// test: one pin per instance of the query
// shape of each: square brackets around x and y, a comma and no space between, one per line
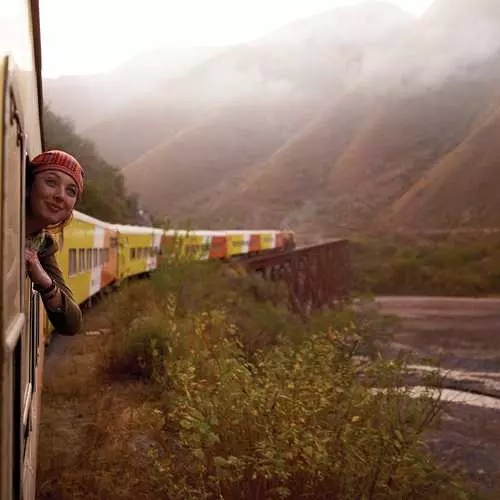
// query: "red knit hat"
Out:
[59,160]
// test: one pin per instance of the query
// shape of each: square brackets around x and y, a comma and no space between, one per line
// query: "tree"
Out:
[105,196]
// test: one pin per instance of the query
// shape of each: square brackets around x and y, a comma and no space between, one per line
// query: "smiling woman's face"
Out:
[52,197]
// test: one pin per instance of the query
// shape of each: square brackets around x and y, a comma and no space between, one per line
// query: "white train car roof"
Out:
[237,232]
[220,232]
[130,229]
[194,232]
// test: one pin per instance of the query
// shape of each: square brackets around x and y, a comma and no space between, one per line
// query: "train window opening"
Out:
[72,263]
[89,259]
[132,253]
[81,260]
[94,253]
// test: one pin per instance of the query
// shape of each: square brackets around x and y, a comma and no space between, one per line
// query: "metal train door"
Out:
[18,313]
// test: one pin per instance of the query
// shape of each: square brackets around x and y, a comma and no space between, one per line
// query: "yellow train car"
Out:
[138,249]
[253,242]
[192,244]
[225,245]
[88,256]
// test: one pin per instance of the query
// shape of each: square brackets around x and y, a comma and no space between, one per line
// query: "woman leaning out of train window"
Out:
[54,183]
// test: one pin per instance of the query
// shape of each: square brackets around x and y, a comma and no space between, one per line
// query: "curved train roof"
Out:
[131,229]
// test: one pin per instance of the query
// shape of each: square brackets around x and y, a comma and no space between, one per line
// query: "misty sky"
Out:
[91,36]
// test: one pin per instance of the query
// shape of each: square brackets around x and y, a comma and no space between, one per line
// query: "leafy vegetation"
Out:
[105,196]
[466,264]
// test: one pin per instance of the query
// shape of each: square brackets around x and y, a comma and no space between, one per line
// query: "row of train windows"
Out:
[83,260]
[142,253]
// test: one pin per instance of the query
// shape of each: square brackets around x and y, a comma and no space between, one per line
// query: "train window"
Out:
[72,264]
[101,256]
[12,229]
[81,260]
[106,255]
[94,253]
[132,253]
[89,259]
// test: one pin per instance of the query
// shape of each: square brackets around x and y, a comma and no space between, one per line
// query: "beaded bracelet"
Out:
[50,295]
[47,290]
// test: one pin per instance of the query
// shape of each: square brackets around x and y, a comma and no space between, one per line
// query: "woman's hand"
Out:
[35,270]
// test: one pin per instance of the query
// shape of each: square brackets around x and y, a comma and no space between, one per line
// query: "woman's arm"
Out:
[62,310]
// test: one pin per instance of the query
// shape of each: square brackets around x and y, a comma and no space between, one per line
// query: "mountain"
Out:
[273,67]
[359,118]
[420,152]
[250,101]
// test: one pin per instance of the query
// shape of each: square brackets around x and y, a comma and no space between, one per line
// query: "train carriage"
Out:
[193,244]
[88,255]
[138,248]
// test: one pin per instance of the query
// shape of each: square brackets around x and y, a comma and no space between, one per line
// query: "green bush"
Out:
[248,402]
[452,265]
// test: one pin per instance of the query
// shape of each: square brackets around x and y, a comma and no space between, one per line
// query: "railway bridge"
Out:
[317,276]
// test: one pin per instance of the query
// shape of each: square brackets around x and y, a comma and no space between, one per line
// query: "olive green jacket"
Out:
[68,320]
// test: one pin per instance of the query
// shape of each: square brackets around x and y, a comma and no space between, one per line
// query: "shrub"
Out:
[250,403]
[454,265]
